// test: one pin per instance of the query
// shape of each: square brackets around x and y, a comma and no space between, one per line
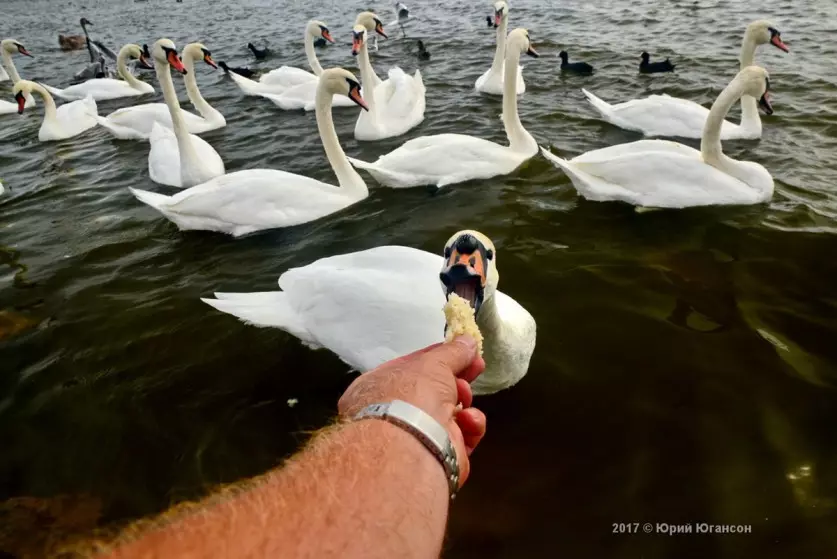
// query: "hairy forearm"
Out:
[364,489]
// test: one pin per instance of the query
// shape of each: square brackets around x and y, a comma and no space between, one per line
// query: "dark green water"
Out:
[686,362]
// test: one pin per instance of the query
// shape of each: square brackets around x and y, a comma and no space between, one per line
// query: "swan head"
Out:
[141,54]
[12,46]
[762,32]
[196,52]
[501,11]
[318,30]
[372,23]
[519,39]
[22,90]
[470,268]
[358,38]
[85,22]
[164,52]
[338,81]
[755,82]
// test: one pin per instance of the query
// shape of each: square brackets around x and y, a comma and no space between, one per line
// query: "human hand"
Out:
[435,379]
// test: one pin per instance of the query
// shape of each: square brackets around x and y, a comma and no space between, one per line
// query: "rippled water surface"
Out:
[686,361]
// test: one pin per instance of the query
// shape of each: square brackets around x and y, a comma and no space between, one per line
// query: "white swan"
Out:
[177,158]
[396,105]
[661,115]
[492,80]
[8,47]
[135,123]
[664,174]
[446,159]
[256,199]
[68,120]
[375,305]
[103,89]
[278,80]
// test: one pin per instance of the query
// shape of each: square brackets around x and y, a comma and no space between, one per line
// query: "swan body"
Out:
[445,159]
[252,200]
[397,104]
[8,47]
[664,174]
[661,115]
[136,123]
[491,81]
[66,121]
[102,89]
[372,306]
[278,80]
[177,158]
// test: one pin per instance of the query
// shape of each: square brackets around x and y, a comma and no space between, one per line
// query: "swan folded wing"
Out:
[661,115]
[635,148]
[667,180]
[260,198]
[287,76]
[371,306]
[402,95]
[303,96]
[100,88]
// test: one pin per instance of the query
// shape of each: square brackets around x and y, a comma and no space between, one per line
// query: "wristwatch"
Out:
[426,429]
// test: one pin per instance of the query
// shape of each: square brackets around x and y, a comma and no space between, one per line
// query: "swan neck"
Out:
[500,51]
[748,51]
[10,67]
[311,55]
[347,177]
[184,142]
[519,139]
[367,77]
[204,108]
[710,143]
[495,350]
[50,111]
[122,68]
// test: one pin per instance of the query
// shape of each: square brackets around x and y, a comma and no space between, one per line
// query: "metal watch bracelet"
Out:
[426,429]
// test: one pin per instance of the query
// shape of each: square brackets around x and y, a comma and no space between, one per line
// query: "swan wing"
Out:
[401,97]
[77,116]
[287,76]
[100,89]
[136,122]
[303,97]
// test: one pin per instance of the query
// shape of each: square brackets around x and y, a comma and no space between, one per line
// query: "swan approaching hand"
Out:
[375,305]
[665,174]
[446,159]
[492,81]
[661,115]
[247,201]
[102,89]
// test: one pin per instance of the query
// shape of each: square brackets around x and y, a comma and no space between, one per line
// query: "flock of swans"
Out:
[353,304]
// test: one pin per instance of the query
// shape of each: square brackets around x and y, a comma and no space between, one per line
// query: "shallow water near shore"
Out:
[685,370]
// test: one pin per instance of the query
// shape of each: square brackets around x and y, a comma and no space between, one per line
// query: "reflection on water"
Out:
[686,366]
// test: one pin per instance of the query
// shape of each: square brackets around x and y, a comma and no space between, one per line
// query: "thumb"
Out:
[454,356]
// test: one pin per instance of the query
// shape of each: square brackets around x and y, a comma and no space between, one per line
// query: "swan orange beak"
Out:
[24,52]
[21,102]
[776,41]
[532,52]
[354,95]
[208,59]
[498,18]
[144,62]
[765,104]
[357,42]
[379,29]
[465,273]
[175,62]
[327,36]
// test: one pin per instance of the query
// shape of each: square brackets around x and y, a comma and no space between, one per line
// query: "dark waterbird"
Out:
[646,67]
[490,21]
[320,43]
[574,67]
[260,54]
[423,53]
[246,72]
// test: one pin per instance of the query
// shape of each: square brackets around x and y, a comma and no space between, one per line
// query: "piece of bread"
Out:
[460,319]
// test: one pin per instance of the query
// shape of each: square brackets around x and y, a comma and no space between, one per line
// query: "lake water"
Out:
[686,363]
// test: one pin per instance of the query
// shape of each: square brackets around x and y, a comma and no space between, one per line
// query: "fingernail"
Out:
[466,341]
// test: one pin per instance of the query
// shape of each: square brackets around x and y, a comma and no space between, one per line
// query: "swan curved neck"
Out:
[750,119]
[122,68]
[710,143]
[347,177]
[207,111]
[50,114]
[495,347]
[500,51]
[10,66]
[184,142]
[367,77]
[311,55]
[519,139]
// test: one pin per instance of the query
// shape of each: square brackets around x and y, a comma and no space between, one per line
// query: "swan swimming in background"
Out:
[661,115]
[8,47]
[102,89]
[136,123]
[665,174]
[177,158]
[444,159]
[492,81]
[66,121]
[255,199]
[372,306]
[396,105]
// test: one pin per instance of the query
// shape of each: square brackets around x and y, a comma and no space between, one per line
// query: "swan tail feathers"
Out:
[268,309]
[246,85]
[360,164]
[156,201]
[54,91]
[597,103]
[121,132]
